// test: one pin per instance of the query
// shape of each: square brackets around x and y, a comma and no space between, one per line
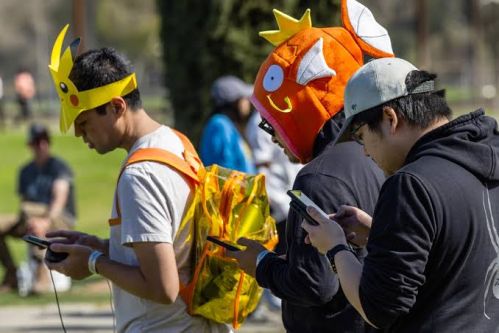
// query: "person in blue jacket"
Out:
[222,141]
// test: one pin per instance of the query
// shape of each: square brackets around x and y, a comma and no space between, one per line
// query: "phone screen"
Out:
[303,201]
[43,243]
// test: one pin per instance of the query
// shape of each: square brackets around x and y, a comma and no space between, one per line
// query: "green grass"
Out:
[95,179]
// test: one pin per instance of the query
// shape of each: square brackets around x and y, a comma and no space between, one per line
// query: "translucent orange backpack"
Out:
[227,204]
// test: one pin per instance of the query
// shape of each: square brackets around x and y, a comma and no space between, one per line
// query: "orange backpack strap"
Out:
[190,154]
[190,166]
[164,157]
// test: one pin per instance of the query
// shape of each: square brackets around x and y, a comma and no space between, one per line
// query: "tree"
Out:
[203,40]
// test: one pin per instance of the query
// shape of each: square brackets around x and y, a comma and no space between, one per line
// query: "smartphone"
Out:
[222,244]
[44,244]
[40,242]
[300,202]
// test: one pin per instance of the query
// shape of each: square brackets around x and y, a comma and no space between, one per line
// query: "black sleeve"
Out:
[399,244]
[305,278]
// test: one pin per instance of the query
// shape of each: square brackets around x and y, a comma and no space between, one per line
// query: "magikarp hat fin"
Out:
[372,37]
[288,26]
[74,102]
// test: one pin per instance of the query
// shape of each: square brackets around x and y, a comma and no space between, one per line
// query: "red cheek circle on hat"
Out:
[74,100]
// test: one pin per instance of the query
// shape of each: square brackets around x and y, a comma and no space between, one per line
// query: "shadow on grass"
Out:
[91,290]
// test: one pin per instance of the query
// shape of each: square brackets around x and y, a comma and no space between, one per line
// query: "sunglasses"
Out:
[265,125]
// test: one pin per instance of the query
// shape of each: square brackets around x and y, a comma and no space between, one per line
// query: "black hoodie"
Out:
[433,262]
[312,300]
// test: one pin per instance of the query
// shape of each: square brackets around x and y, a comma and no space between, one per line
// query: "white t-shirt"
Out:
[152,200]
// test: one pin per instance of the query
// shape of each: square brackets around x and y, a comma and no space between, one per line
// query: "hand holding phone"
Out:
[222,244]
[45,244]
[300,202]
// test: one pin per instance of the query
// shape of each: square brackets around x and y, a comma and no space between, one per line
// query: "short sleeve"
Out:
[62,171]
[146,209]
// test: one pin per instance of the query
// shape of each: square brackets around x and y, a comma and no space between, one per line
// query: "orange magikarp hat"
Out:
[301,83]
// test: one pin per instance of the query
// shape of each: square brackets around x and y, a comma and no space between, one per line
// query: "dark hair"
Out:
[39,139]
[38,133]
[231,110]
[96,68]
[418,110]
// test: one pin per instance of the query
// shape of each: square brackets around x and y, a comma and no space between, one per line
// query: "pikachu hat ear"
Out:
[74,102]
[372,38]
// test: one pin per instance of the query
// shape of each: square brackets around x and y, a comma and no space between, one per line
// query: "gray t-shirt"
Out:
[36,183]
[152,200]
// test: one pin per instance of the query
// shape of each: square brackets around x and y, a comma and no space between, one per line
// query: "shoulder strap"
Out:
[164,157]
[191,166]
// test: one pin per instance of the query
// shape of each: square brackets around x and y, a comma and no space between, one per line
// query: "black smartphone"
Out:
[40,242]
[300,202]
[44,244]
[222,244]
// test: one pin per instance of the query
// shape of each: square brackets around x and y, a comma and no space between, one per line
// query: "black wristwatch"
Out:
[338,248]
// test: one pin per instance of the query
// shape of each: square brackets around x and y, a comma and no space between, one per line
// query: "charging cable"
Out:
[111,304]
[59,307]
[57,301]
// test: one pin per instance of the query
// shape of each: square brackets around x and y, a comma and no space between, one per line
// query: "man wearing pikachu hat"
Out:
[299,94]
[145,258]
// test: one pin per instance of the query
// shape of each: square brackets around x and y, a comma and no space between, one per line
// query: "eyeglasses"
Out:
[354,136]
[265,125]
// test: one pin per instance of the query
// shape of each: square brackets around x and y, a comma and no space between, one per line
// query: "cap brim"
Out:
[345,132]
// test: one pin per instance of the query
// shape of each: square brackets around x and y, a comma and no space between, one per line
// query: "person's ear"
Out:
[118,105]
[390,119]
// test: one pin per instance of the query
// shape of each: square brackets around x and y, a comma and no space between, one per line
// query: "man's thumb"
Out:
[59,247]
[244,241]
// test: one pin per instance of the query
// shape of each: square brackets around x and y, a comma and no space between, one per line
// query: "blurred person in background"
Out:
[223,139]
[45,187]
[280,174]
[24,86]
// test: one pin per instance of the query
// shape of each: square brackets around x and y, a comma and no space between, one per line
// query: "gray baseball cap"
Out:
[228,89]
[377,82]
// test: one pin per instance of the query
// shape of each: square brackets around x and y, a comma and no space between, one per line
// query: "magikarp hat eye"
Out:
[74,102]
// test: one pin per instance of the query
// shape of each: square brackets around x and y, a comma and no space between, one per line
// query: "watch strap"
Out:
[334,251]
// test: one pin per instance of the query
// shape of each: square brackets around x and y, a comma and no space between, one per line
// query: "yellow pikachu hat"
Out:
[74,102]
